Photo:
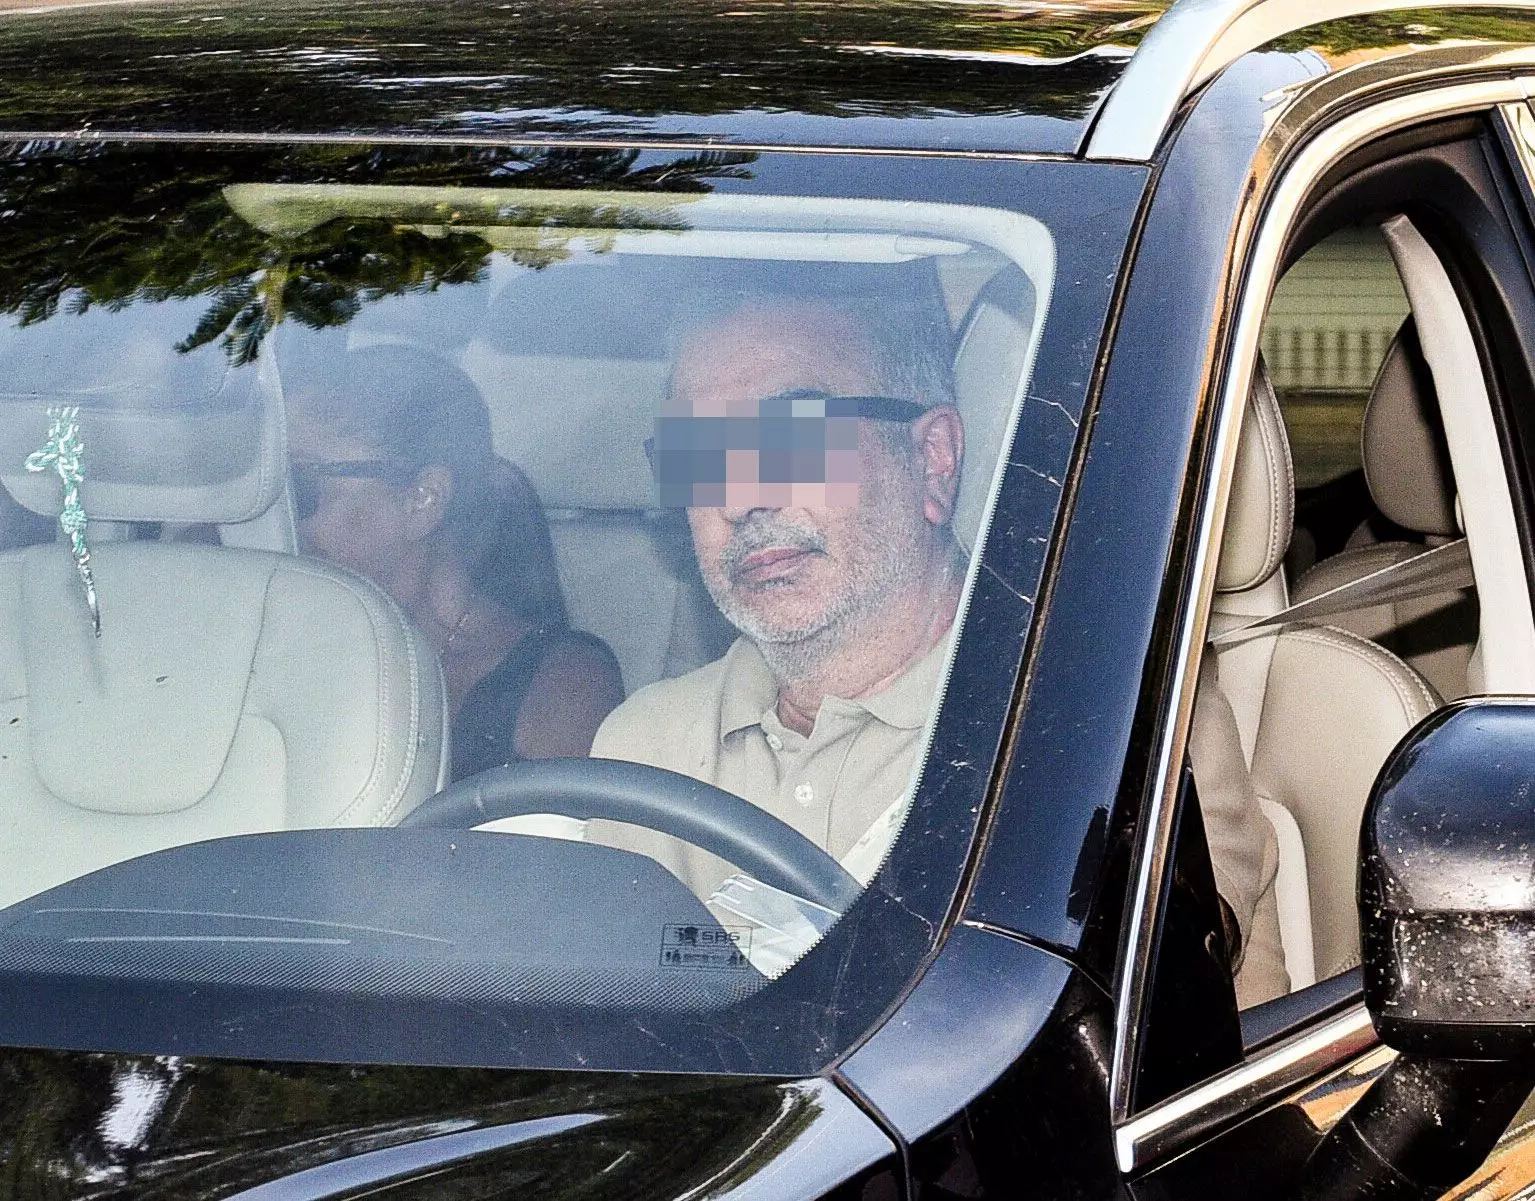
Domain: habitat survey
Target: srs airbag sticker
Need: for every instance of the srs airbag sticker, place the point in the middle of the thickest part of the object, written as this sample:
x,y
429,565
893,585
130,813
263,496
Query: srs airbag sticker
x,y
706,947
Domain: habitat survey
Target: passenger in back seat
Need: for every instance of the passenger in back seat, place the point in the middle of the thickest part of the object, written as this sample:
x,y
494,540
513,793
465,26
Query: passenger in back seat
x,y
843,580
394,476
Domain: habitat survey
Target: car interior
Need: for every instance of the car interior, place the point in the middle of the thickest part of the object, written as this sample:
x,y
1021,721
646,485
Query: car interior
x,y
247,688
1402,480
229,698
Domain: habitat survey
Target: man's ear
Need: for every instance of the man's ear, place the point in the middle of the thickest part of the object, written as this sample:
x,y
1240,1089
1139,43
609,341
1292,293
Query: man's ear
x,y
426,501
939,438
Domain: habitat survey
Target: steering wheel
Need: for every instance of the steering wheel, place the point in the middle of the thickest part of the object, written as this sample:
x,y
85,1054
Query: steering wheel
x,y
697,813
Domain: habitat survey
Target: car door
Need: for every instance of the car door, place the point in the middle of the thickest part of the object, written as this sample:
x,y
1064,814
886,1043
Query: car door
x,y
1204,1095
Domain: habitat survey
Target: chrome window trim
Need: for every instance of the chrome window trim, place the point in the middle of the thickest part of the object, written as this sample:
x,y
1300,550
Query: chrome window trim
x,y
1520,119
1195,40
1206,1107
1161,1130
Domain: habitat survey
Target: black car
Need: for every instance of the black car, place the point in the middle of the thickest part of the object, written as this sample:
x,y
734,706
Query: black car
x,y
891,599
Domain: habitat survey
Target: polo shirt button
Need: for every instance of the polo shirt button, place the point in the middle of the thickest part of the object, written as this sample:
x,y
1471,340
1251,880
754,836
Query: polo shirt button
x,y
804,794
775,742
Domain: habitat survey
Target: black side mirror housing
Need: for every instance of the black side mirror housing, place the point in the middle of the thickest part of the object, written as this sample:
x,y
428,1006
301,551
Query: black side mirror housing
x,y
1447,916
1447,885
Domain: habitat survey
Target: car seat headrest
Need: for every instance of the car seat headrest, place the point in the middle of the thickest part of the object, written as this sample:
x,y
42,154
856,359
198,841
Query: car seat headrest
x,y
236,669
1406,458
169,434
1260,513
601,402
995,342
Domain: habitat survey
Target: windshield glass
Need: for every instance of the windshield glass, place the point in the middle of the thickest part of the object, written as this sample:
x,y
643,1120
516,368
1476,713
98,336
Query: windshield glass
x,y
453,592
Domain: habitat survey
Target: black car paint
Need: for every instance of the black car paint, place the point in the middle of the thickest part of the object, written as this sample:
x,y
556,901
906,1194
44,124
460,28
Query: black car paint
x,y
84,1126
914,74
1046,898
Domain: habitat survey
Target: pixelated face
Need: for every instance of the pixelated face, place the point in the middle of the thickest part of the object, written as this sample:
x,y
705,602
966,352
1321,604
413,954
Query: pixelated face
x,y
797,448
808,516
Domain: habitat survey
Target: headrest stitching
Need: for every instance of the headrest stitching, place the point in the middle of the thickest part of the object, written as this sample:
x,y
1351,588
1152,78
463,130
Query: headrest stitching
x,y
1373,654
413,740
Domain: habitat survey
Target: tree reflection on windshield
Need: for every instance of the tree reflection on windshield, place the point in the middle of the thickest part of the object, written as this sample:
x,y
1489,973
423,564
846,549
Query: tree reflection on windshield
x,y
89,225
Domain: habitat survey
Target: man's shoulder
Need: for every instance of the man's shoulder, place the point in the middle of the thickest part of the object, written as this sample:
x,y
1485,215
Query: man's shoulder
x,y
651,725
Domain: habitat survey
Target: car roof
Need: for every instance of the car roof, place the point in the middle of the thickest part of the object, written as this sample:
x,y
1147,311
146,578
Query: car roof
x,y
988,75
1103,78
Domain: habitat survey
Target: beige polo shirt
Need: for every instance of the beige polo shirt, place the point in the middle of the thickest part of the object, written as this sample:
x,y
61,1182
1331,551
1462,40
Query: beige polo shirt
x,y
844,780
845,785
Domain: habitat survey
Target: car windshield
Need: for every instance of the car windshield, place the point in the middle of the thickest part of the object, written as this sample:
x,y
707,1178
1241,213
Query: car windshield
x,y
432,587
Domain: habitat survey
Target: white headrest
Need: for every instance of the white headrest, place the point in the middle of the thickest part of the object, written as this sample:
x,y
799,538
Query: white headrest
x,y
207,654
993,354
1261,511
1406,459
609,403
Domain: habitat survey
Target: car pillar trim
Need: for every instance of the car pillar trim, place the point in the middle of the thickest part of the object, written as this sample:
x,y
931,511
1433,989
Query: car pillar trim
x,y
1278,206
1520,119
1205,1108
1193,41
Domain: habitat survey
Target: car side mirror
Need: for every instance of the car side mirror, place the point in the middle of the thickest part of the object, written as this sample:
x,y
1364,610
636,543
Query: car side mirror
x,y
1447,921
1447,885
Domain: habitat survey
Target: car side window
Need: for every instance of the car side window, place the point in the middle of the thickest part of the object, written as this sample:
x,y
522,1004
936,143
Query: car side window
x,y
1319,703
1334,316
1315,703
1370,453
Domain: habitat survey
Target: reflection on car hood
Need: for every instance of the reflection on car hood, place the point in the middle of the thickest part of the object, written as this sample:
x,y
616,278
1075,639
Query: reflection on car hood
x,y
981,76
85,1125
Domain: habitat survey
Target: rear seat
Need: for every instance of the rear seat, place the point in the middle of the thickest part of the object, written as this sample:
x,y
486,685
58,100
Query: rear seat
x,y
1407,467
627,569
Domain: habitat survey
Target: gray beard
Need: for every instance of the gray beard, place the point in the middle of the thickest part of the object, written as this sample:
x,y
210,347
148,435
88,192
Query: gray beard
x,y
796,653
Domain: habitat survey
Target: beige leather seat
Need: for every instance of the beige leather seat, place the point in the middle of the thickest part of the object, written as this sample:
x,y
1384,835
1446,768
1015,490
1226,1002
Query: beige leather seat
x,y
230,690
1318,708
991,362
1407,467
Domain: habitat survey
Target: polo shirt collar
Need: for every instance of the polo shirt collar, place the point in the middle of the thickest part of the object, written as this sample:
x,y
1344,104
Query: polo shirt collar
x,y
907,700
749,691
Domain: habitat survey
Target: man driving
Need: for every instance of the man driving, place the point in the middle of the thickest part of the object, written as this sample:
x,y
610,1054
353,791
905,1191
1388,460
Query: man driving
x,y
836,563
817,449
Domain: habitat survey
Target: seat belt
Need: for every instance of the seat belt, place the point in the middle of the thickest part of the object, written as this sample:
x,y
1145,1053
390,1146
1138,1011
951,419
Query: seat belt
x,y
1443,569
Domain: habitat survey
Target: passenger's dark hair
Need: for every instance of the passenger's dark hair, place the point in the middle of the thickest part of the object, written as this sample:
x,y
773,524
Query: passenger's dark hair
x,y
420,410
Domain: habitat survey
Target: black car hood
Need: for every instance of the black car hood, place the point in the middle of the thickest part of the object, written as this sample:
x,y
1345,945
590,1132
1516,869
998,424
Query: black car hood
x,y
975,76
88,1125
